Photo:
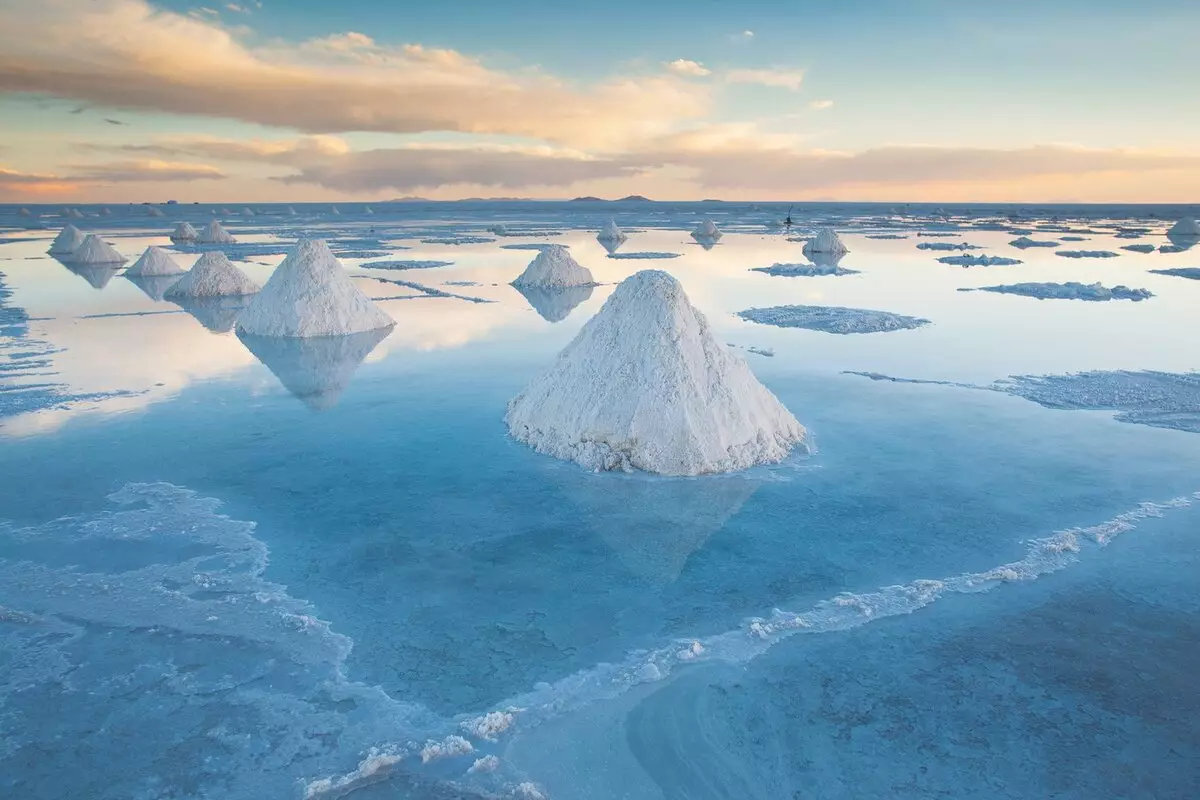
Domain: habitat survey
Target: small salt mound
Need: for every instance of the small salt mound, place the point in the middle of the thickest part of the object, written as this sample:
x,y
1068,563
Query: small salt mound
x,y
707,231
646,385
554,268
154,212
246,212
67,241
826,241
155,262
213,275
368,210
184,232
215,233
24,212
1071,290
334,211
1185,227
311,295
979,261
611,233
105,212
291,212
74,213
95,250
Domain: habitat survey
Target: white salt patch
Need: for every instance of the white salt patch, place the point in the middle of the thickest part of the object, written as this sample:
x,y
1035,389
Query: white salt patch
x,y
707,231
450,747
826,241
311,295
213,275
611,233
645,385
485,764
95,250
489,726
154,263
184,232
67,241
1185,227
214,233
691,652
1139,248
950,246
554,268
372,769
528,791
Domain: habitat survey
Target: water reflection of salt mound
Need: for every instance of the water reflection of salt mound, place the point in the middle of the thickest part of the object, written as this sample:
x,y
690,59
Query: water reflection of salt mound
x,y
217,314
315,369
98,275
154,286
554,305
611,245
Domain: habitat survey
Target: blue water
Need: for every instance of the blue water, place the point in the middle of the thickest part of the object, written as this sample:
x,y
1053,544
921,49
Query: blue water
x,y
231,571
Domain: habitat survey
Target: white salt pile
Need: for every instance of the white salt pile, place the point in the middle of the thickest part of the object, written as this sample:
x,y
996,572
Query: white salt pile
x,y
646,385
213,275
291,212
707,231
154,212
311,295
74,213
67,241
826,241
95,250
24,212
214,233
1071,290
334,210
184,232
979,261
554,268
1185,227
105,212
154,263
246,212
611,233
368,210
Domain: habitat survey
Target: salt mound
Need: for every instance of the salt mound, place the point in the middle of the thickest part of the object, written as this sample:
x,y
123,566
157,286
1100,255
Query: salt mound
x,y
247,212
154,212
611,233
184,232
554,268
707,231
214,233
291,212
67,241
155,262
315,370
213,275
334,211
95,250
24,212
1087,254
311,295
1185,227
826,241
1071,290
645,385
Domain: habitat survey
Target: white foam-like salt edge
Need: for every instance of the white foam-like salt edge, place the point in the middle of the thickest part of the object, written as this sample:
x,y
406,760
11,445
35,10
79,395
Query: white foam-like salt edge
x,y
67,241
489,726
213,275
554,268
374,768
528,791
488,763
154,263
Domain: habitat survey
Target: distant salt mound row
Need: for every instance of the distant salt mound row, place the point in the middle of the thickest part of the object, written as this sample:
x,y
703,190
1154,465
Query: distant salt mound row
x,y
826,242
1087,254
1185,227
554,268
1192,273
154,263
184,232
212,276
886,236
1071,290
214,233
804,270
67,241
947,246
832,319
1139,248
707,231
95,250
457,240
979,261
645,254
310,294
1025,242
611,233
646,386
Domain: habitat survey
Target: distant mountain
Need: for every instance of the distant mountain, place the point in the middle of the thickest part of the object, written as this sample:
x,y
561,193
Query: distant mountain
x,y
635,198
588,199
409,200
495,200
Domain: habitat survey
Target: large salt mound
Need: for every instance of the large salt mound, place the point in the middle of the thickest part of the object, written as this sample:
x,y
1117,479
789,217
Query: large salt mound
x,y
707,231
1185,227
155,262
213,275
67,241
826,241
184,232
95,250
611,233
554,268
645,385
214,233
311,295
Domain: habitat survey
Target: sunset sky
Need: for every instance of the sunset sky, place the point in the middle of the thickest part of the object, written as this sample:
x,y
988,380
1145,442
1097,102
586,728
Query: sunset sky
x,y
298,100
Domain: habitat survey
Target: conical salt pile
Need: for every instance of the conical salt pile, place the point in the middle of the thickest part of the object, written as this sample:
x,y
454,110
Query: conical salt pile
x,y
105,212
368,210
247,212
311,295
611,233
154,263
24,212
708,230
67,241
95,250
826,241
213,275
1185,227
214,233
334,210
291,212
74,213
646,385
184,232
554,268
154,212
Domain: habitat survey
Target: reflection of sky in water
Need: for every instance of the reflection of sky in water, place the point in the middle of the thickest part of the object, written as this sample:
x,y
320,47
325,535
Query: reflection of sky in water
x,y
467,569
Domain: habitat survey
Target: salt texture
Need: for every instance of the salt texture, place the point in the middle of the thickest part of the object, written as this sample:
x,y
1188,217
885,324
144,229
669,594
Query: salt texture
x,y
554,268
644,255
67,241
1180,272
213,275
1185,227
214,233
832,319
645,385
95,250
310,294
1025,242
449,747
825,241
1070,290
979,261
155,262
804,270
1087,254
1139,248
485,764
611,233
707,232
184,232
489,726
947,246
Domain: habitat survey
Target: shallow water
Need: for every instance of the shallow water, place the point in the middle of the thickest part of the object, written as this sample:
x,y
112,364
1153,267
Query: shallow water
x,y
255,566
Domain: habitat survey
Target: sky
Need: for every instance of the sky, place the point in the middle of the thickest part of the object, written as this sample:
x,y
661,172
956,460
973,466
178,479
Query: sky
x,y
879,100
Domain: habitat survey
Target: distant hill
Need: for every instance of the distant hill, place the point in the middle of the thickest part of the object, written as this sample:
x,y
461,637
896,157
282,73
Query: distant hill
x,y
587,200
635,198
410,200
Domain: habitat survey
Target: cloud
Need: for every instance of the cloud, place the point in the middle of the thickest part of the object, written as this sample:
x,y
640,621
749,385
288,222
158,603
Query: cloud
x,y
137,171
687,69
288,152
111,121
235,8
129,54
820,105
780,78
744,36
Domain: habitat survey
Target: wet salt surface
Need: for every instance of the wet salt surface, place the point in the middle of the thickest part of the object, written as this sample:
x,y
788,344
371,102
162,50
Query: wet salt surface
x,y
473,576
